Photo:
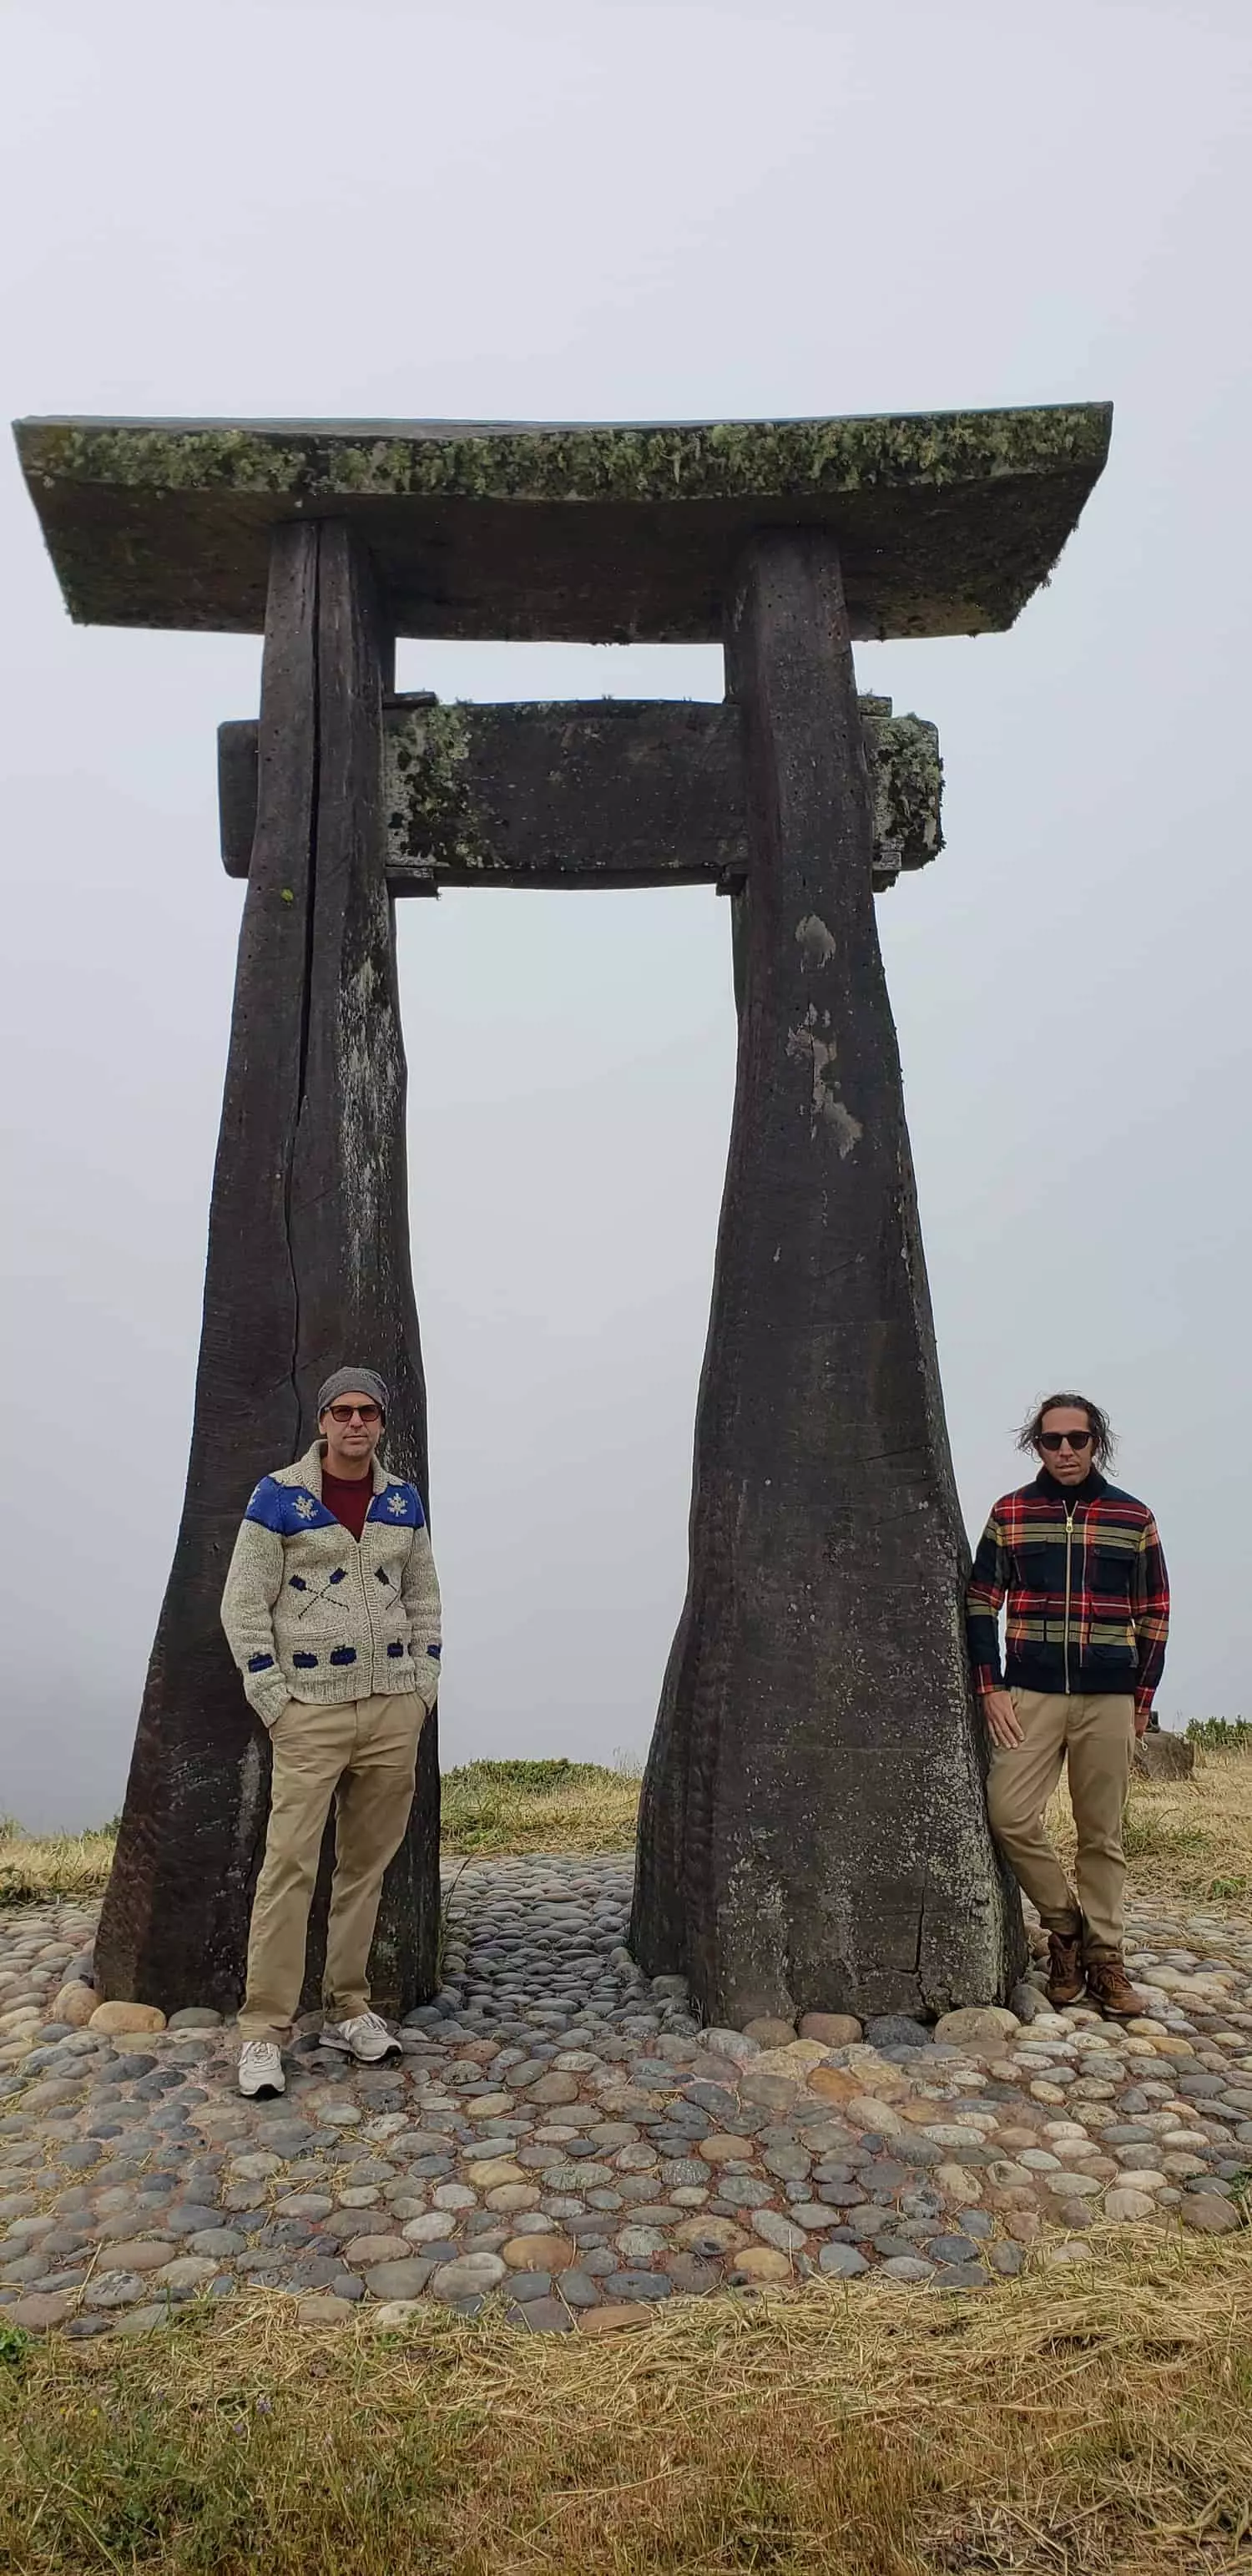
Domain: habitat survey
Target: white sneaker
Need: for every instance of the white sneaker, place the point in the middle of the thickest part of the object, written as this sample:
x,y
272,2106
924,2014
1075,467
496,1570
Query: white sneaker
x,y
260,2069
365,2037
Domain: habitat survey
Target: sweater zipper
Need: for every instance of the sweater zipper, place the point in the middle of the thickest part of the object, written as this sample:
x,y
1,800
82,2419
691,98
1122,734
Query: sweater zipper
x,y
1069,1559
365,1605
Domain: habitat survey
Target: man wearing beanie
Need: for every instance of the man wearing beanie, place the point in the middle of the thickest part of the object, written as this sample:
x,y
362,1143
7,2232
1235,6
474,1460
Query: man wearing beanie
x,y
331,1610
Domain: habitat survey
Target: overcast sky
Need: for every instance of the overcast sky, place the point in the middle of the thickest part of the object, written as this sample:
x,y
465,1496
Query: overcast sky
x,y
610,210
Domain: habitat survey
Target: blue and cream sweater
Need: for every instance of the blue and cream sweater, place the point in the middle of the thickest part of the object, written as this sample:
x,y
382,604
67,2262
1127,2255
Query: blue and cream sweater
x,y
311,1613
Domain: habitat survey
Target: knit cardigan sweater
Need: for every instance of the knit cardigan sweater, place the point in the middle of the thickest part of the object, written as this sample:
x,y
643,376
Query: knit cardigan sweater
x,y
311,1613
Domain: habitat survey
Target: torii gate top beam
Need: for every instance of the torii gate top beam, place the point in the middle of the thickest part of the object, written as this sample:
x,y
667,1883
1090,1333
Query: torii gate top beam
x,y
945,521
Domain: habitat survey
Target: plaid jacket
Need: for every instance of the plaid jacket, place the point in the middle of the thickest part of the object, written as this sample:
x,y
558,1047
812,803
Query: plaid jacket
x,y
1087,1592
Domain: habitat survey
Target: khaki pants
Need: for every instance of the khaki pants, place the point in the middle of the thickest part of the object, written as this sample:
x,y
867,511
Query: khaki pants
x,y
363,1754
1096,1737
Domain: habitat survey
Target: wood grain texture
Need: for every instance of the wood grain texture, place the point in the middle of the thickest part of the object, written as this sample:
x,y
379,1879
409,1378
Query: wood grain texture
x,y
314,1095
813,1832
349,1183
612,794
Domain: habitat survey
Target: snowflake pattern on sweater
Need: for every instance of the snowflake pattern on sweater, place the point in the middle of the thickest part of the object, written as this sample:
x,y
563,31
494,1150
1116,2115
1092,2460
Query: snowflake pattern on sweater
x,y
311,1613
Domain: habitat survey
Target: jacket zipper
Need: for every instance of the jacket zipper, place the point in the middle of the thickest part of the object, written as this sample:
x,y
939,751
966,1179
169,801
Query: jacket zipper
x,y
1069,1559
365,1605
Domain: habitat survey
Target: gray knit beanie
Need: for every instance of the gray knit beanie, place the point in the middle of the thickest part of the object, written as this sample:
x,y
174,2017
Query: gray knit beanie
x,y
352,1381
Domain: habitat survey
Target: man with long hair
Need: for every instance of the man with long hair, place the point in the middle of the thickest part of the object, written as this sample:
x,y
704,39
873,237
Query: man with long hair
x,y
1079,1563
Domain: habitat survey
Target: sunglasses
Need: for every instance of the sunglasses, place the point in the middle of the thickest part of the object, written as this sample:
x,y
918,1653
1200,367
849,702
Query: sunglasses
x,y
1054,1440
368,1414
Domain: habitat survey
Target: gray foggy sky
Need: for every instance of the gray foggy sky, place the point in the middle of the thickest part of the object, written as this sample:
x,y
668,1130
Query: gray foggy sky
x,y
623,211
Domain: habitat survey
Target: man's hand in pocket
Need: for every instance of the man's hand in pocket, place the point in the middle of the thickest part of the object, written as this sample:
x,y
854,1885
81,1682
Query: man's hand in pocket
x,y
1002,1720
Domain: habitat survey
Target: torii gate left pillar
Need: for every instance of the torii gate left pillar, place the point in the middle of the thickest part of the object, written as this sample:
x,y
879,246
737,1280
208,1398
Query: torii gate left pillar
x,y
308,1264
811,1830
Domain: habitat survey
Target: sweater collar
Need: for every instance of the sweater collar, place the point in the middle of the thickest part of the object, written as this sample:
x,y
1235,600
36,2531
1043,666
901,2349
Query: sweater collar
x,y
1093,1483
314,1459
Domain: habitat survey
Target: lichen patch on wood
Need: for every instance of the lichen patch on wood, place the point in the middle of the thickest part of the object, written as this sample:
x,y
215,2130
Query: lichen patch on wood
x,y
906,781
641,463
609,792
816,941
946,521
432,814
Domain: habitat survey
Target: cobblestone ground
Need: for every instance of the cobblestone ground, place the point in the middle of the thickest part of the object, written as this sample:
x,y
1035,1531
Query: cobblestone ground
x,y
563,2136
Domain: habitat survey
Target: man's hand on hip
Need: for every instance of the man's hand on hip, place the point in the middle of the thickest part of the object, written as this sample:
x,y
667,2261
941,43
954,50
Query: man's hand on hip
x,y
1002,1720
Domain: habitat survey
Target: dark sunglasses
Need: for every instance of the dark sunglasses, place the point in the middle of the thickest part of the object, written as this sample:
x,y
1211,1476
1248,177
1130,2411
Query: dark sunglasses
x,y
1054,1440
365,1413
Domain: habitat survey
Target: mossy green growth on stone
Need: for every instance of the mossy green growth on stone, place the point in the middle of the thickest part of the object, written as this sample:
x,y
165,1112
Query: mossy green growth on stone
x,y
641,463
431,814
567,793
906,777
437,816
945,521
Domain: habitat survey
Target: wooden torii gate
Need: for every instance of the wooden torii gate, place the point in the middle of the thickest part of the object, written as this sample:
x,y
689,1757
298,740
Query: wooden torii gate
x,y
812,1831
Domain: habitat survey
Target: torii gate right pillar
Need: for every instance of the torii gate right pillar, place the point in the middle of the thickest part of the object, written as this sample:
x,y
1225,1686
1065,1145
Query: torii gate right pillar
x,y
813,1833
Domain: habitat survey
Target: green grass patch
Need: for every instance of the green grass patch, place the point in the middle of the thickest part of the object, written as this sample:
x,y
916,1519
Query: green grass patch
x,y
1221,1734
538,1806
536,1779
1149,1835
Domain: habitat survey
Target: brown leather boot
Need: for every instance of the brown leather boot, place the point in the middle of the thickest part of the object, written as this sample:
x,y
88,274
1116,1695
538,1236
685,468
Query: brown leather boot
x,y
1066,1977
1110,1988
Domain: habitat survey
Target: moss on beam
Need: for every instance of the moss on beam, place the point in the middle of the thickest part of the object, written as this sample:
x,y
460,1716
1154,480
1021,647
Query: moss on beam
x,y
611,793
433,814
946,521
906,781
639,464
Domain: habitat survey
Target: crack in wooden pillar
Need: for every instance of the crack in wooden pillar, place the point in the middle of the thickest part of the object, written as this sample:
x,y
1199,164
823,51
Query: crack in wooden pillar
x,y
813,1831
307,1266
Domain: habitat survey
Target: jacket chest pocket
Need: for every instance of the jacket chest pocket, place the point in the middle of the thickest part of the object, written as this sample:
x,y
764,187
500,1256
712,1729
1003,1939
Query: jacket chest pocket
x,y
1040,1563
1112,1634
1108,1573
1040,1585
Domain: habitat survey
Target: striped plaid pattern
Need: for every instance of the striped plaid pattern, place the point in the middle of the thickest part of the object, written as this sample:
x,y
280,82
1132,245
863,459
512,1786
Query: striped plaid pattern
x,y
1086,1587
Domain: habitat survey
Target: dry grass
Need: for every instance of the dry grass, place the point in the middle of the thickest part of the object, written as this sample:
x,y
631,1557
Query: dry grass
x,y
36,1866
487,1807
1187,1841
1082,2423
